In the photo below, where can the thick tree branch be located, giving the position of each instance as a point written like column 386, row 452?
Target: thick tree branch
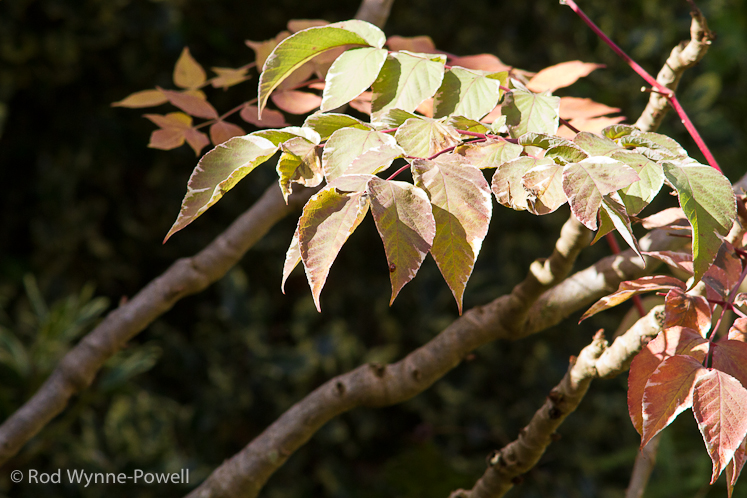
column 595, row 360
column 186, row 276
column 683, row 56
column 374, row 11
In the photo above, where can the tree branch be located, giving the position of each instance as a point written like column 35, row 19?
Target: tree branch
column 186, row 276
column 596, row 360
column 374, row 11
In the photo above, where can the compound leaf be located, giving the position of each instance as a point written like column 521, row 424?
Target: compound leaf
column 406, row 80
column 352, row 73
column 467, row 93
column 424, row 137
column 490, row 153
column 526, row 111
column 348, row 144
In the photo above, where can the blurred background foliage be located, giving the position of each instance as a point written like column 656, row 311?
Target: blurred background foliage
column 86, row 205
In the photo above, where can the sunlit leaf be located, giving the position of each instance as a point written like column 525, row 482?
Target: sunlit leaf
column 738, row 330
column 526, row 111
column 352, row 73
column 296, row 102
column 668, row 393
column 561, row 75
column 328, row 219
column 406, row 80
column 145, row 98
column 270, row 118
column 720, row 408
column 669, row 218
column 506, row 183
column 544, row 187
column 263, row 49
column 292, row 258
column 670, row 342
column 304, row 45
column 328, row 123
column 422, row 44
column 575, row 108
column 228, row 77
column 614, row 208
column 586, row 182
column 299, row 163
column 596, row 145
column 406, row 225
column 425, row 137
column 217, row 172
column 734, row 468
column 687, row 311
column 176, row 127
column 462, row 208
column 490, row 153
column 630, row 288
column 393, row 118
column 283, row 134
column 465, row 124
column 468, row 93
column 725, row 272
column 190, row 104
column 347, row 144
column 639, row 194
column 188, row 73
column 707, row 198
column 222, row 131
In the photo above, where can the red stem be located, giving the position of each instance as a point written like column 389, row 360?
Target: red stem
column 666, row 92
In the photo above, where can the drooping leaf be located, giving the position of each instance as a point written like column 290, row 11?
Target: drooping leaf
column 352, row 73
column 490, row 153
column 639, row 194
column 630, row 288
column 270, row 118
column 462, row 208
column 596, row 145
column 507, row 185
column 668, row 392
column 606, row 225
column 145, row 98
column 724, row 274
column 347, row 144
column 188, row 73
column 687, row 311
column 707, row 198
column 304, row 45
column 299, row 163
column 468, row 93
column 328, row 219
column 175, row 128
column 526, row 111
column 561, row 75
column 720, row 408
column 544, row 186
column 586, row 182
column 730, row 356
column 670, row 342
column 228, row 77
column 734, row 468
column 190, row 104
column 222, row 131
column 425, row 137
column 292, row 258
column 283, row 134
column 614, row 208
column 217, row 172
column 406, row 225
column 296, row 102
column 406, row 80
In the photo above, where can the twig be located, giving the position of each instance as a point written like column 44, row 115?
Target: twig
column 644, row 465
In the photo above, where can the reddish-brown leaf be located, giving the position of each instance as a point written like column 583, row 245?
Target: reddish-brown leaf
column 723, row 276
column 672, row 218
column 188, row 73
column 222, row 131
column 270, row 117
column 720, row 408
column 263, row 49
column 296, row 102
column 295, row 25
column 421, row 44
column 687, row 311
column 362, row 103
column 481, row 62
column 630, row 288
column 196, row 139
column 680, row 260
column 730, row 356
column 735, row 467
column 578, row 108
column 166, row 138
column 176, row 127
column 191, row 104
column 668, row 393
column 228, row 77
column 670, row 342
column 145, row 98
column 592, row 125
column 561, row 75
column 738, row 330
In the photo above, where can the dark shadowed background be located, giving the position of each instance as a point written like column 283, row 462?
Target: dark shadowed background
column 85, row 205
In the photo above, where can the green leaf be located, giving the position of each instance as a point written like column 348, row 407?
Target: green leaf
column 326, row 124
column 425, row 137
column 299, row 48
column 217, row 172
column 471, row 94
column 613, row 207
column 618, row 130
column 406, row 80
column 544, row 186
column 465, row 124
column 664, row 142
column 348, row 144
column 278, row 136
column 328, row 219
column 639, row 194
column 489, row 154
column 595, row 145
column 526, row 111
column 462, row 208
column 586, row 182
column 292, row 258
column 564, row 150
column 507, row 185
column 707, row 199
column 406, row 225
column 351, row 74
column 393, row 118
column 299, row 163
